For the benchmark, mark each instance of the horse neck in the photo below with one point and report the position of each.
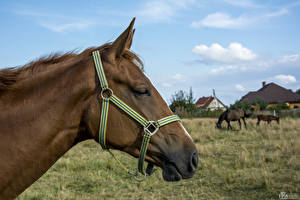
(40, 121)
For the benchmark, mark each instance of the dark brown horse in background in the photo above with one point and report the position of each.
(232, 115)
(50, 105)
(267, 118)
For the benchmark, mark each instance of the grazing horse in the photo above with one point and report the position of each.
(52, 104)
(267, 118)
(232, 115)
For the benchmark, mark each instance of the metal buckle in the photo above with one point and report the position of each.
(151, 128)
(106, 91)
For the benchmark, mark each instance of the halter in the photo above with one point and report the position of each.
(150, 127)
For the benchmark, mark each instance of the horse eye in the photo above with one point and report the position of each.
(142, 91)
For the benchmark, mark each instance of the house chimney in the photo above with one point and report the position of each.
(264, 83)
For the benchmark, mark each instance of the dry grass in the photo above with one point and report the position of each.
(257, 163)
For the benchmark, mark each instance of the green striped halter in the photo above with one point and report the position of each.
(150, 127)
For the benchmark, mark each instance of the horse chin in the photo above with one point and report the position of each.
(171, 173)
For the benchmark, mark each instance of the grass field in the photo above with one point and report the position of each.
(257, 163)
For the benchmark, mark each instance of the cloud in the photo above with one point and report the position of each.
(31, 13)
(224, 20)
(225, 69)
(244, 3)
(162, 10)
(167, 85)
(172, 81)
(56, 22)
(66, 27)
(157, 11)
(235, 53)
(278, 13)
(285, 79)
(178, 77)
(220, 20)
(290, 58)
(261, 66)
(182, 3)
(240, 88)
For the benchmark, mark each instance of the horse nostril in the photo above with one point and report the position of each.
(194, 161)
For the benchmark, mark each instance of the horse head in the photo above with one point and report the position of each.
(221, 119)
(171, 148)
(218, 125)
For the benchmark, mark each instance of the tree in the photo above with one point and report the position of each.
(261, 103)
(183, 103)
(298, 91)
(190, 102)
(236, 105)
(245, 105)
(190, 97)
(178, 101)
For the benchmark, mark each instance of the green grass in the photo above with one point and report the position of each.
(257, 163)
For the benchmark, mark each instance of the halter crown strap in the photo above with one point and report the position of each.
(99, 68)
(150, 127)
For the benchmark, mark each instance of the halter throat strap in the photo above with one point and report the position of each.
(150, 127)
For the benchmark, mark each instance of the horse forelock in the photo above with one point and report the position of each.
(9, 76)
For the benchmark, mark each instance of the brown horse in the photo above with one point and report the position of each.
(267, 118)
(232, 115)
(52, 104)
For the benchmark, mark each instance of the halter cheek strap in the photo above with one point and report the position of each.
(150, 127)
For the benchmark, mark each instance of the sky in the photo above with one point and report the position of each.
(231, 46)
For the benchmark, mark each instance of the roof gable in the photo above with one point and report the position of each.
(204, 102)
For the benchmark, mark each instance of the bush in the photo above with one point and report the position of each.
(209, 113)
(278, 107)
(245, 105)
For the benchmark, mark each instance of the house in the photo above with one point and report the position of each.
(212, 103)
(272, 94)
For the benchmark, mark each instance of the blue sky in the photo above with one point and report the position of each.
(227, 45)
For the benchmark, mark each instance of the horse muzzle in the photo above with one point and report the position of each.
(180, 167)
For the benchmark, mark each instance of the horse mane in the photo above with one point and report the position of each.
(10, 76)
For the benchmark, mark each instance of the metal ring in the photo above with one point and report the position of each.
(110, 92)
(137, 179)
(151, 123)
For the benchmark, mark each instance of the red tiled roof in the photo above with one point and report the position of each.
(272, 93)
(204, 101)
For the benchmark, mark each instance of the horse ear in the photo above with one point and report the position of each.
(121, 43)
(129, 41)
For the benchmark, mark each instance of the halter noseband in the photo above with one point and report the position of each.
(150, 127)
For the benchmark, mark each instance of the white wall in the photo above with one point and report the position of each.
(215, 104)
